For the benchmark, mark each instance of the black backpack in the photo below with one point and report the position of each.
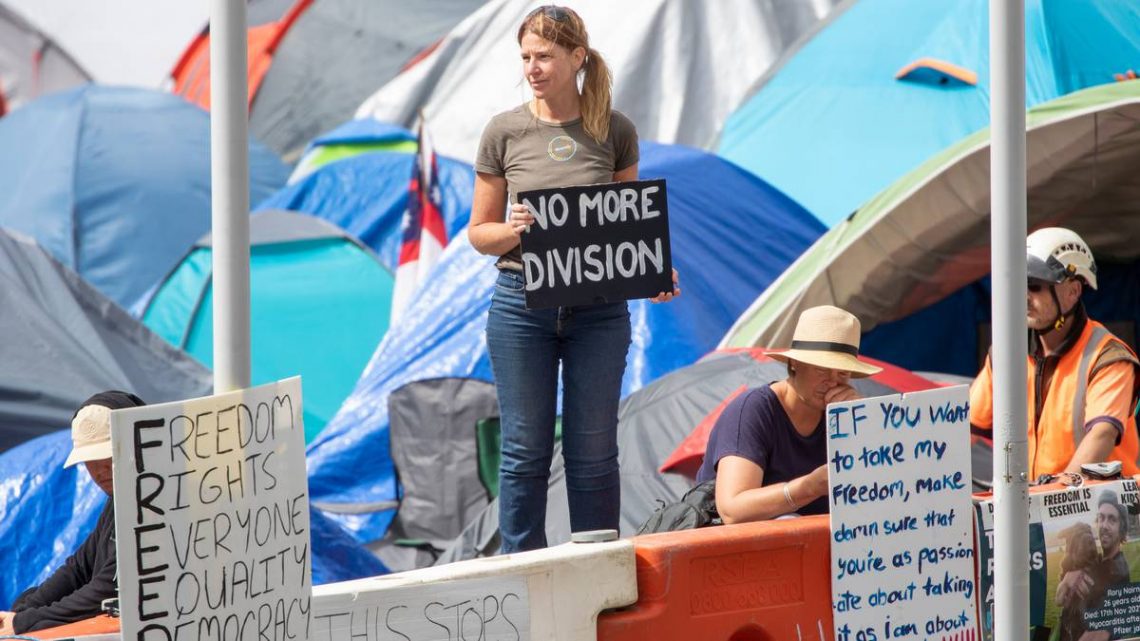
(697, 508)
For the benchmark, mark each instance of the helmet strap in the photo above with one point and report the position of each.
(1062, 315)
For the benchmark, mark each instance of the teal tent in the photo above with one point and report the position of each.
(886, 84)
(909, 263)
(320, 303)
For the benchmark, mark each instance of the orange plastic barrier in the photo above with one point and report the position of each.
(768, 581)
(101, 624)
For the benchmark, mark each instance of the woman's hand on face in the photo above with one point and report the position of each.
(520, 219)
(840, 393)
(665, 297)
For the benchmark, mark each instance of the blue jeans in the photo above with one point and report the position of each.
(526, 347)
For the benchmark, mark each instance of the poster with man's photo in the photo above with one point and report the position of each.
(1084, 548)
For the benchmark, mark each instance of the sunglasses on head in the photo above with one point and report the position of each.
(552, 11)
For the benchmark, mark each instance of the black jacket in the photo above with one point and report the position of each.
(76, 590)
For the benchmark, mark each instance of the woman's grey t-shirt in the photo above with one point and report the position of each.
(535, 154)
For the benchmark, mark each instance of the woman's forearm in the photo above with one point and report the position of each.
(768, 502)
(494, 239)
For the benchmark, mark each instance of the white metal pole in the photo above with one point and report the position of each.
(229, 172)
(1007, 232)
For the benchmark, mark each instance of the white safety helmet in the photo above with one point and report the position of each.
(1056, 254)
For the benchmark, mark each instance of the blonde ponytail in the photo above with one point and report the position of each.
(597, 96)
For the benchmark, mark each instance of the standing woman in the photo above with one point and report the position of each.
(561, 138)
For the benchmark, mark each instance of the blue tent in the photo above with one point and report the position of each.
(47, 511)
(320, 303)
(366, 194)
(115, 182)
(731, 233)
(834, 126)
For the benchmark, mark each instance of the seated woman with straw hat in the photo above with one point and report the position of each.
(768, 449)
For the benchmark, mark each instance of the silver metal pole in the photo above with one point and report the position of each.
(1007, 232)
(229, 172)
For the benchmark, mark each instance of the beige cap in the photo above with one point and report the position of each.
(90, 435)
(827, 336)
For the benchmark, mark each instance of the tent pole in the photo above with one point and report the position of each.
(229, 175)
(1007, 232)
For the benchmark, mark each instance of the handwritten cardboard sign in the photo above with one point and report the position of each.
(902, 545)
(596, 244)
(491, 609)
(212, 517)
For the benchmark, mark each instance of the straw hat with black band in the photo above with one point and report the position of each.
(827, 336)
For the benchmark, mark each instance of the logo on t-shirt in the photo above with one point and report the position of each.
(561, 148)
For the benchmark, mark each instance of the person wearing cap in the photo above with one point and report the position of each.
(1082, 380)
(76, 590)
(768, 449)
(1083, 590)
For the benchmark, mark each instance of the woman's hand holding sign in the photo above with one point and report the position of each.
(521, 219)
(593, 244)
(665, 297)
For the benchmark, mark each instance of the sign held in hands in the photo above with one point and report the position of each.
(212, 517)
(596, 244)
(902, 544)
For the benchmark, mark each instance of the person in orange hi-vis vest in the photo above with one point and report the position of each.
(1082, 379)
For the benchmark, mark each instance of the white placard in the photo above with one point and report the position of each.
(212, 516)
(491, 609)
(902, 545)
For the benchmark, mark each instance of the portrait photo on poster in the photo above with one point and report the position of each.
(596, 243)
(1084, 562)
(1092, 588)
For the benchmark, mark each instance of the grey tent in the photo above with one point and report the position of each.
(121, 42)
(32, 63)
(324, 57)
(63, 341)
(652, 423)
(679, 67)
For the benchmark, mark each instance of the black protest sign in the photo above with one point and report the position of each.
(212, 517)
(596, 244)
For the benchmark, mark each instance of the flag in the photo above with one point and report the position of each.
(423, 232)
